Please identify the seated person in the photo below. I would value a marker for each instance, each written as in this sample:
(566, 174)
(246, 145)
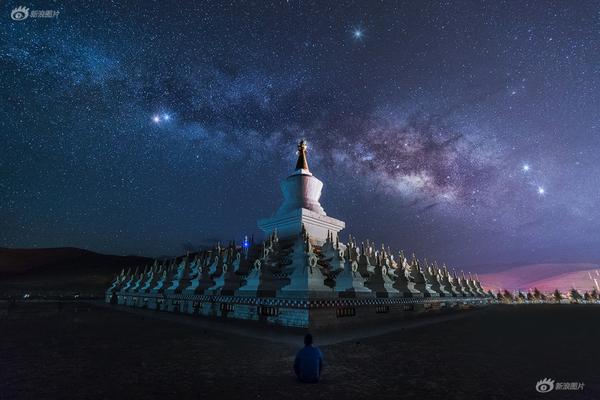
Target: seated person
(309, 362)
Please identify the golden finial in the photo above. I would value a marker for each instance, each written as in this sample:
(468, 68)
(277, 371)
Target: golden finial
(301, 163)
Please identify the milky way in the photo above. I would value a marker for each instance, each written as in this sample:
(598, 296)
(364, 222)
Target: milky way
(465, 132)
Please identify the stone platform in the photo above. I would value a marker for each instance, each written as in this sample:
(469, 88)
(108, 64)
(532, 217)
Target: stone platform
(310, 314)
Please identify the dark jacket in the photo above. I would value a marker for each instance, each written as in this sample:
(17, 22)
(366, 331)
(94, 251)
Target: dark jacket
(309, 364)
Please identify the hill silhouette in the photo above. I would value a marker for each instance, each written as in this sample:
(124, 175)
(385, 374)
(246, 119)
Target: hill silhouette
(65, 269)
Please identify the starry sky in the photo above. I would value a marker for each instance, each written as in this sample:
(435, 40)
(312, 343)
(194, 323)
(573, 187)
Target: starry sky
(465, 131)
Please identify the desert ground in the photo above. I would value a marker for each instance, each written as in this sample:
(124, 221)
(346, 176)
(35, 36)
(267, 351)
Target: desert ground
(81, 351)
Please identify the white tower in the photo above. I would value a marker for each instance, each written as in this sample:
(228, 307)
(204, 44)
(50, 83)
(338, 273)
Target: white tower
(301, 194)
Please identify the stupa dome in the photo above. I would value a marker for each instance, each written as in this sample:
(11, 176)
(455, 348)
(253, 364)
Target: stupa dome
(301, 193)
(301, 189)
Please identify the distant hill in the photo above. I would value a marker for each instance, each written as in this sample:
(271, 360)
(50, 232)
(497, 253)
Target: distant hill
(64, 268)
(545, 277)
(19, 261)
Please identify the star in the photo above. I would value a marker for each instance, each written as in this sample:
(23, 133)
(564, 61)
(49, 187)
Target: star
(541, 191)
(525, 167)
(358, 33)
(156, 119)
(166, 117)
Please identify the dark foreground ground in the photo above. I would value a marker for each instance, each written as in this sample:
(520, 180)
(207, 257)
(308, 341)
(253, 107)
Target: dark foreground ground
(496, 353)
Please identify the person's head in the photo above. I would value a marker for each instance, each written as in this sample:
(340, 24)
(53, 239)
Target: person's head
(308, 340)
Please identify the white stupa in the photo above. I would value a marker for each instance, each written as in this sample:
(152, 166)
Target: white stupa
(301, 194)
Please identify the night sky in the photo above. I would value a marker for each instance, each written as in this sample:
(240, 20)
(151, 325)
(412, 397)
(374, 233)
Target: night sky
(467, 132)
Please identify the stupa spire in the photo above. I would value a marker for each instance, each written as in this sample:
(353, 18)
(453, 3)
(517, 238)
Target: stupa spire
(301, 163)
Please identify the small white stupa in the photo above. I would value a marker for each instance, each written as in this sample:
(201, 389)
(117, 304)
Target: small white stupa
(301, 194)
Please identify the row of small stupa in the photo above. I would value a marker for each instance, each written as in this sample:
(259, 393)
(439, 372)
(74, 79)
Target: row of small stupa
(298, 269)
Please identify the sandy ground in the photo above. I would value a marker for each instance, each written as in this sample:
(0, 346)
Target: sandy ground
(98, 353)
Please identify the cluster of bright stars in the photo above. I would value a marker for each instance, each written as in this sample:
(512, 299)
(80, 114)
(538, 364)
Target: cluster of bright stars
(540, 189)
(158, 118)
